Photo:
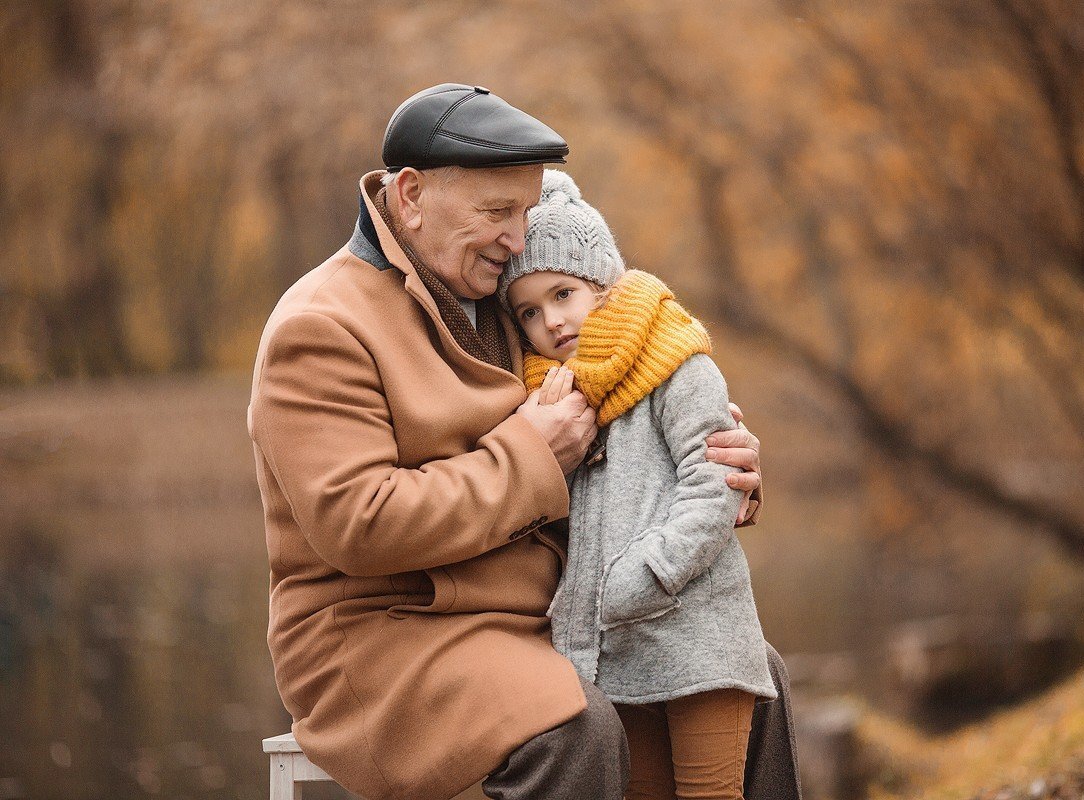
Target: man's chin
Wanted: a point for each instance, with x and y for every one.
(481, 289)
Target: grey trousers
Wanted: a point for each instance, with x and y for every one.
(771, 763)
(587, 758)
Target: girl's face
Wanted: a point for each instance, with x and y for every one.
(550, 307)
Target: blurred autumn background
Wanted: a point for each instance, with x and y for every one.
(878, 208)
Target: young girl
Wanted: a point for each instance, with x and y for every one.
(655, 605)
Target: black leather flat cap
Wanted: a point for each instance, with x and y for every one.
(466, 126)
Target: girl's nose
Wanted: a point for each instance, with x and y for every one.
(554, 320)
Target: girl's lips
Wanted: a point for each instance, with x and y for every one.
(565, 340)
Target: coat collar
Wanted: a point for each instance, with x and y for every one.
(370, 224)
(365, 243)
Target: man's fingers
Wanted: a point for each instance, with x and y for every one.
(587, 415)
(743, 482)
(589, 435)
(576, 401)
(740, 457)
(735, 412)
(736, 438)
(743, 509)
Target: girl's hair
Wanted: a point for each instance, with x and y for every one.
(601, 293)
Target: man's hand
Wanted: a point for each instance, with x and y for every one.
(737, 448)
(556, 386)
(568, 426)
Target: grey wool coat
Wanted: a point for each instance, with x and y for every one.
(656, 602)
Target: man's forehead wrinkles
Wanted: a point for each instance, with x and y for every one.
(499, 200)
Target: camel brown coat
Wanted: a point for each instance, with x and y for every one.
(403, 500)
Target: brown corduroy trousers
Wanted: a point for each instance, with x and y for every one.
(691, 748)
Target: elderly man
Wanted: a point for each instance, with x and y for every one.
(408, 481)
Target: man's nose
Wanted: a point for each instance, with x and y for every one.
(514, 236)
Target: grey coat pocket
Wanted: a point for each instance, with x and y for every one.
(629, 591)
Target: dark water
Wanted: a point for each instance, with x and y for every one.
(126, 684)
(133, 595)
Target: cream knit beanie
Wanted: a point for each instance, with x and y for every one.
(564, 234)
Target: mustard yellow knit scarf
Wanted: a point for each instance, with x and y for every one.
(628, 346)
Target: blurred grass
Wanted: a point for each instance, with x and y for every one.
(1026, 747)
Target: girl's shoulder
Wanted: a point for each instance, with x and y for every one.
(698, 371)
(695, 397)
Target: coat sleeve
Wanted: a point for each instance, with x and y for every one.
(321, 420)
(688, 407)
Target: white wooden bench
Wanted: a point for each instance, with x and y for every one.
(290, 767)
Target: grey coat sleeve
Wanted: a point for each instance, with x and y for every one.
(688, 407)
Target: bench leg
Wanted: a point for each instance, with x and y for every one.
(283, 785)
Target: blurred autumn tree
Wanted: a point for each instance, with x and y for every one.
(900, 210)
(881, 205)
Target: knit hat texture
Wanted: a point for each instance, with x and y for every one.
(564, 234)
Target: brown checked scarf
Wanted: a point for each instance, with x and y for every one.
(487, 342)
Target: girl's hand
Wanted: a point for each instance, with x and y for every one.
(556, 386)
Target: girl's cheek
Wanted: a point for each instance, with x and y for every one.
(532, 336)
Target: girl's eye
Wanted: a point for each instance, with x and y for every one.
(526, 315)
(563, 293)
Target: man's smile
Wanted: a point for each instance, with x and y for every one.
(496, 266)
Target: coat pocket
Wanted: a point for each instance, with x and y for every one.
(443, 596)
(629, 591)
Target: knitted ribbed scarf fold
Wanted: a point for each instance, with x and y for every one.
(628, 346)
(487, 342)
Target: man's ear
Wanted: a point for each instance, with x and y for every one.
(408, 191)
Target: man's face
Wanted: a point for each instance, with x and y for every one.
(472, 221)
